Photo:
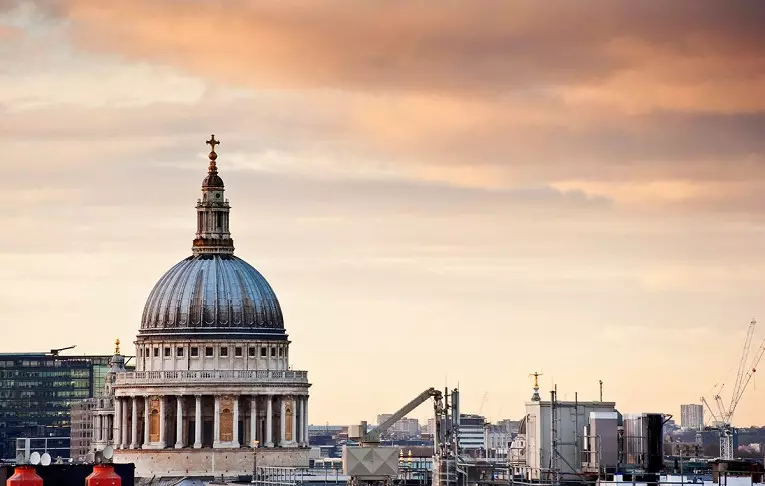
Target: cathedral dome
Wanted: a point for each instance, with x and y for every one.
(213, 294)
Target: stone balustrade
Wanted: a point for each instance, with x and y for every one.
(211, 376)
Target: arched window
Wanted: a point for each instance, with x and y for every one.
(154, 426)
(226, 425)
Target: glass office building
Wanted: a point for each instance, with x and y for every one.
(37, 391)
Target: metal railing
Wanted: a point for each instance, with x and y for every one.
(211, 376)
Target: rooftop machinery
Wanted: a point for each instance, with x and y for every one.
(369, 464)
(724, 413)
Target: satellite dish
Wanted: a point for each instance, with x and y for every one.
(98, 457)
(20, 458)
(34, 458)
(108, 452)
(45, 459)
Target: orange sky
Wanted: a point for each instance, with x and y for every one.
(462, 193)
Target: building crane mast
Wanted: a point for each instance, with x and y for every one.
(724, 415)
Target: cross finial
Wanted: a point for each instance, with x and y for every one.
(212, 142)
(536, 378)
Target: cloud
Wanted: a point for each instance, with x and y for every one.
(628, 55)
(638, 103)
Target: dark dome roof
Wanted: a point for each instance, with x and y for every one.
(210, 294)
(212, 181)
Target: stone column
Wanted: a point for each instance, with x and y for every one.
(124, 424)
(301, 428)
(269, 421)
(235, 436)
(283, 421)
(198, 423)
(295, 434)
(179, 422)
(134, 425)
(162, 439)
(146, 415)
(304, 411)
(216, 426)
(117, 425)
(254, 421)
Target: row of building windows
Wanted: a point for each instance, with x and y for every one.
(81, 373)
(15, 384)
(50, 363)
(209, 351)
(16, 393)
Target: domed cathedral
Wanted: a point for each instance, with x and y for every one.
(213, 385)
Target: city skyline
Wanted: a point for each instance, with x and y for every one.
(576, 191)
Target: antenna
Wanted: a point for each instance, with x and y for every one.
(34, 458)
(45, 459)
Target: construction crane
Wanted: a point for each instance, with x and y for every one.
(369, 464)
(483, 402)
(55, 352)
(723, 412)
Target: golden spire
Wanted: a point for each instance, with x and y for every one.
(212, 169)
(117, 346)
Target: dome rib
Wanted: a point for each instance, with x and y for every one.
(213, 294)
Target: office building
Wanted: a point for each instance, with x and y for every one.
(37, 391)
(472, 434)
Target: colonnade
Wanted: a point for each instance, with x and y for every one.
(103, 427)
(218, 421)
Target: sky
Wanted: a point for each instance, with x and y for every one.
(451, 195)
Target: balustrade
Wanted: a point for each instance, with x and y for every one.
(211, 376)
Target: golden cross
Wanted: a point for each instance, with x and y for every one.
(212, 142)
(536, 378)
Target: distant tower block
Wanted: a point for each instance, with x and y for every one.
(535, 396)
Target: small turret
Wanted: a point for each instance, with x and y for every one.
(535, 397)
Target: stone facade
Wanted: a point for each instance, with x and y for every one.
(209, 462)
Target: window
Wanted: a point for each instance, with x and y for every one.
(156, 352)
(167, 351)
(224, 352)
(251, 351)
(273, 352)
(263, 352)
(238, 351)
(140, 353)
(208, 351)
(281, 351)
(179, 352)
(194, 352)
